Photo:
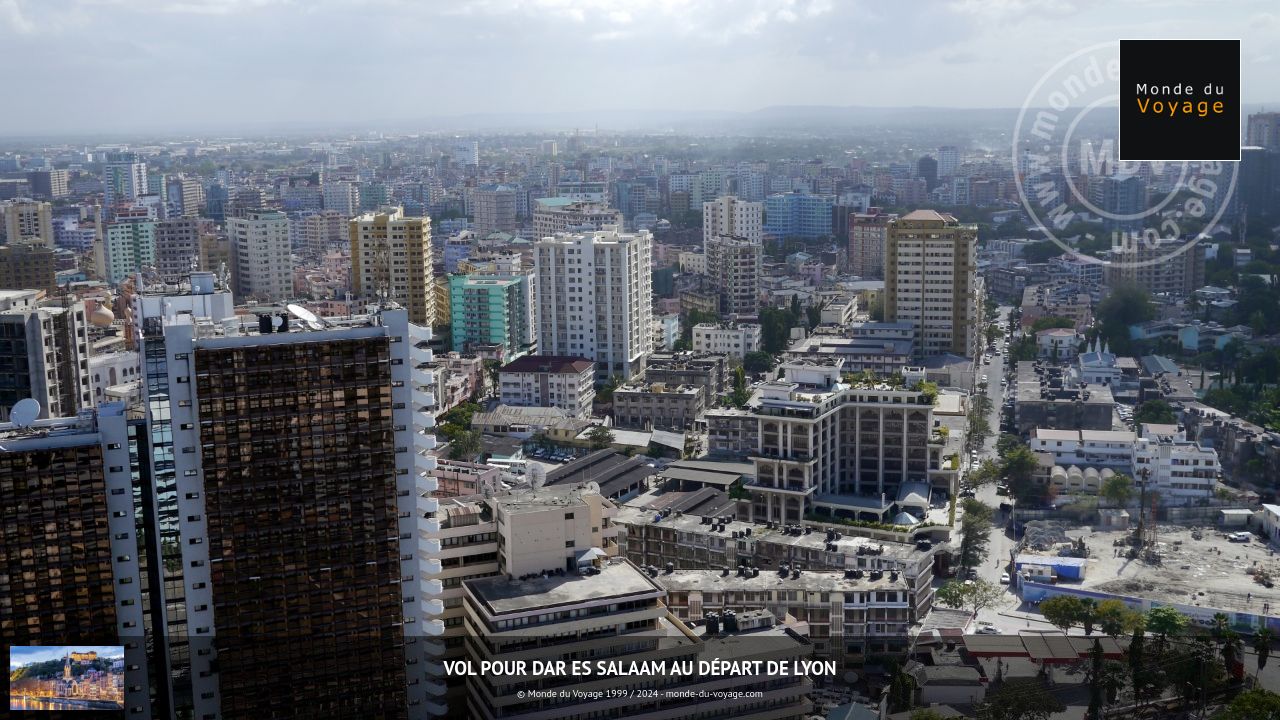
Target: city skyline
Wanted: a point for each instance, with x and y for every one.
(763, 54)
(20, 656)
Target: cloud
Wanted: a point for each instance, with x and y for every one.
(12, 18)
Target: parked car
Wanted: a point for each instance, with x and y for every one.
(1004, 578)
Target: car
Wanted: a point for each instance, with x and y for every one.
(988, 631)
(968, 494)
(986, 378)
(1004, 578)
(1239, 537)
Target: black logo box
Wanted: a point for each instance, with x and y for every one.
(1189, 65)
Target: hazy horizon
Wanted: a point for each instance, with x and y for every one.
(146, 66)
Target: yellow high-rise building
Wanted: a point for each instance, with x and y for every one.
(931, 280)
(391, 258)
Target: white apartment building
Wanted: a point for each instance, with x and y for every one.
(732, 340)
(595, 298)
(931, 280)
(692, 262)
(261, 263)
(342, 197)
(1086, 448)
(567, 383)
(1177, 467)
(729, 216)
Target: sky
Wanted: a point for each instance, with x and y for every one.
(19, 656)
(147, 65)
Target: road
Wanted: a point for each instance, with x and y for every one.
(1000, 544)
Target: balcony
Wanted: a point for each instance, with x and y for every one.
(430, 566)
(424, 440)
(429, 525)
(427, 504)
(428, 483)
(430, 546)
(435, 687)
(436, 709)
(423, 376)
(433, 628)
(433, 669)
(424, 420)
(434, 607)
(424, 398)
(431, 587)
(426, 463)
(419, 333)
(421, 355)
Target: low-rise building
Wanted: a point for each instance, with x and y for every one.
(726, 339)
(549, 381)
(1045, 398)
(1057, 343)
(660, 406)
(709, 371)
(1174, 466)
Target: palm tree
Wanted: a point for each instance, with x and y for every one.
(1232, 649)
(1262, 645)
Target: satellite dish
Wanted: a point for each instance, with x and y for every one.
(307, 317)
(591, 488)
(25, 412)
(277, 321)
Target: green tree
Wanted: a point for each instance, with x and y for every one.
(1115, 618)
(972, 594)
(605, 392)
(975, 532)
(1018, 468)
(1063, 611)
(1020, 699)
(739, 396)
(925, 714)
(1154, 411)
(876, 309)
(1050, 322)
(600, 437)
(987, 472)
(757, 362)
(1006, 444)
(1097, 693)
(1256, 704)
(1118, 489)
(1127, 304)
(1166, 622)
(465, 445)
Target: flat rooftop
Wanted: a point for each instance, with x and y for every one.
(1209, 572)
(770, 579)
(617, 580)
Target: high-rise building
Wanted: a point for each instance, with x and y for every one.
(124, 178)
(184, 196)
(727, 215)
(1264, 131)
(489, 315)
(927, 168)
(378, 242)
(557, 215)
(320, 231)
(45, 355)
(466, 152)
(931, 281)
(595, 299)
(868, 233)
(71, 550)
(1160, 267)
(27, 221)
(177, 247)
(734, 266)
(342, 197)
(1122, 200)
(1258, 183)
(797, 214)
(494, 209)
(49, 184)
(28, 267)
(262, 265)
(127, 248)
(292, 481)
(948, 161)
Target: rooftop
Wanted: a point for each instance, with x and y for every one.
(769, 579)
(548, 363)
(616, 580)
